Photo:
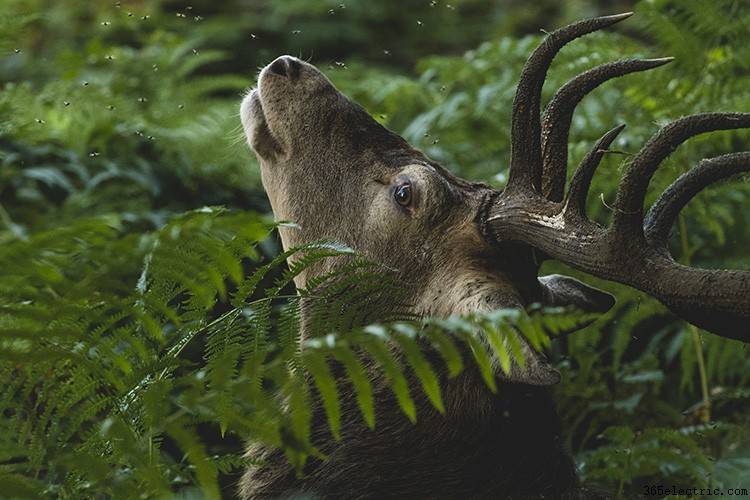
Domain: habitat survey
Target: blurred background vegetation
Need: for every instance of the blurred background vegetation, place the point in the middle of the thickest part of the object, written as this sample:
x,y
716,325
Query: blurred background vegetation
x,y
116,117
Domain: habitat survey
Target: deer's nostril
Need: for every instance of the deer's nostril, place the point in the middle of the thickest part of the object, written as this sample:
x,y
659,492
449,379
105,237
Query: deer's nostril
x,y
286,66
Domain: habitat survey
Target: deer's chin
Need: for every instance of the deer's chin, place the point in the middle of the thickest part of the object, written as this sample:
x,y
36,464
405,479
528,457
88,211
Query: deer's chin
x,y
259,135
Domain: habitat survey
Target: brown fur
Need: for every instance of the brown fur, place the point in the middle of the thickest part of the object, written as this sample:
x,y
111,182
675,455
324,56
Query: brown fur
x,y
332,169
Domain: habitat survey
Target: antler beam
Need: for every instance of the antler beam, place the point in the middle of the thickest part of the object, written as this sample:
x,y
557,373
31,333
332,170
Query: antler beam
x,y
534,210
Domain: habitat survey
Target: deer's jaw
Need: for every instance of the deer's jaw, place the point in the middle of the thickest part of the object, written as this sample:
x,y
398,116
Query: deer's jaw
x,y
259,135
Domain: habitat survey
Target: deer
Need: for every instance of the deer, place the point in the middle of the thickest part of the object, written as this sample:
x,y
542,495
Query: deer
x,y
463,247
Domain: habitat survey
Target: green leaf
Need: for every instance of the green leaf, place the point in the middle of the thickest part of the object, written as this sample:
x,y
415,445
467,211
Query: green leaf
x,y
497,341
358,377
314,360
447,349
482,358
405,338
391,369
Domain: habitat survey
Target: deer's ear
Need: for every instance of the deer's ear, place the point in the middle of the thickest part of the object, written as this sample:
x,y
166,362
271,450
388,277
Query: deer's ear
x,y
559,290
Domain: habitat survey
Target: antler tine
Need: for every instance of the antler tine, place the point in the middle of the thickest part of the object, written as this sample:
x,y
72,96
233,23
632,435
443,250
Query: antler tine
x,y
664,211
559,114
525,163
575,200
628,209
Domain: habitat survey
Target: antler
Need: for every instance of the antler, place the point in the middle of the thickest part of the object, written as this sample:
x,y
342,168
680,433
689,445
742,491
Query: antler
x,y
534,210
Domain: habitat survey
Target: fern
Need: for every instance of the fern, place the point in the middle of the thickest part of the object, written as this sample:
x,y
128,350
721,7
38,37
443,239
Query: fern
x,y
139,347
649,456
116,379
104,358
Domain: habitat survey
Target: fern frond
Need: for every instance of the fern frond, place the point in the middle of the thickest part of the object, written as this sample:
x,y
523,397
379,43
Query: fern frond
x,y
649,455
357,375
375,342
205,469
317,365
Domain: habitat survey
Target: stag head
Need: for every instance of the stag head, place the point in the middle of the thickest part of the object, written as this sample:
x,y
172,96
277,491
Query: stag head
x,y
328,166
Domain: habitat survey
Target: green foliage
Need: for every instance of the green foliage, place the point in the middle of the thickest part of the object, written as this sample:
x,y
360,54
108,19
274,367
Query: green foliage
x,y
116,382
110,116
143,339
89,356
649,456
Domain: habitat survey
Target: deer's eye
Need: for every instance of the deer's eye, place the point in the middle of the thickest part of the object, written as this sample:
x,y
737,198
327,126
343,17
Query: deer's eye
x,y
402,194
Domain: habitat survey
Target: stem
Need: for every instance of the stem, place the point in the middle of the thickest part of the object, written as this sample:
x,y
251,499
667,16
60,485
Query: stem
x,y
625,470
706,413
695,332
